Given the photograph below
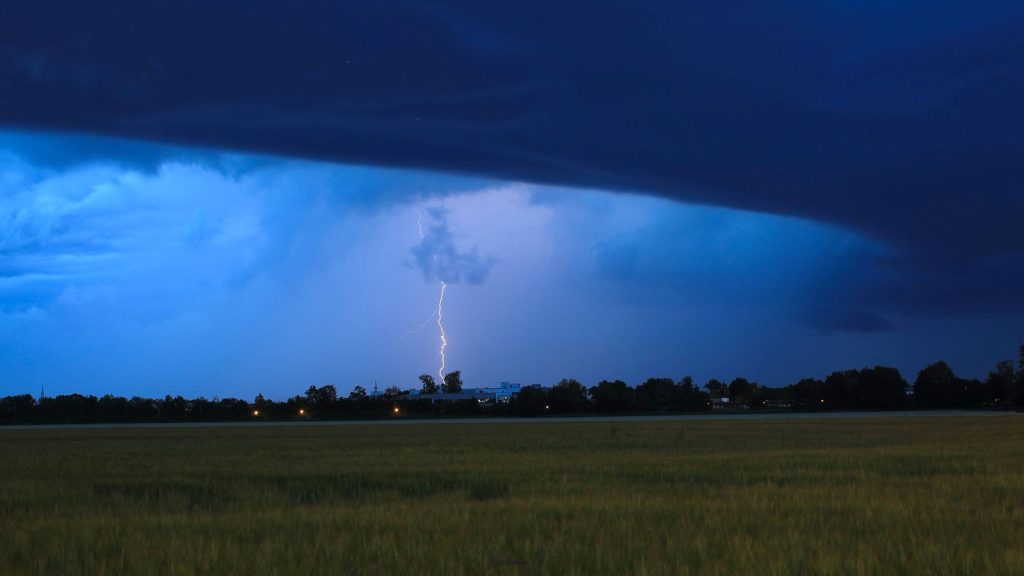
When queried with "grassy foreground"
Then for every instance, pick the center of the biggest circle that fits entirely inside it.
(896, 496)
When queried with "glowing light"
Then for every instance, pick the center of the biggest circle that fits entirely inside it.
(301, 411)
(396, 410)
(255, 412)
(440, 326)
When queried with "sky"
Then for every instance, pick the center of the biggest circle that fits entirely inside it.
(248, 197)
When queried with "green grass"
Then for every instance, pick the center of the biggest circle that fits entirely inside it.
(874, 496)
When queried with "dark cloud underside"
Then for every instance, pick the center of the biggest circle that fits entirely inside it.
(899, 119)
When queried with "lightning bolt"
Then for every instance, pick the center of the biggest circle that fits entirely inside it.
(440, 326)
(440, 308)
(412, 331)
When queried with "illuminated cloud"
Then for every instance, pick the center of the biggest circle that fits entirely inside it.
(438, 257)
(229, 275)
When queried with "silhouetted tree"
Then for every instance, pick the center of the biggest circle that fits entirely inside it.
(428, 385)
(937, 387)
(974, 393)
(1020, 377)
(741, 390)
(613, 397)
(17, 409)
(881, 388)
(530, 401)
(324, 397)
(296, 406)
(452, 382)
(808, 394)
(113, 408)
(174, 407)
(358, 393)
(265, 407)
(1000, 383)
(224, 408)
(655, 394)
(568, 396)
(68, 407)
(716, 388)
(392, 392)
(686, 397)
(841, 389)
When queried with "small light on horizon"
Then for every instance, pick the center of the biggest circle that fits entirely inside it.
(301, 411)
(255, 412)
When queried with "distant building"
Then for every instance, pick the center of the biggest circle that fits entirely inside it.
(728, 404)
(481, 397)
(502, 393)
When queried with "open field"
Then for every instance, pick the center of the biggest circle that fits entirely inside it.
(809, 496)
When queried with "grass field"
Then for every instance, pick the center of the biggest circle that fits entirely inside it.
(875, 496)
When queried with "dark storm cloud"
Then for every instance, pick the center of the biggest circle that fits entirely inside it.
(898, 119)
(72, 150)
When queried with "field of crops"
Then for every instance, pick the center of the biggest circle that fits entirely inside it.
(934, 495)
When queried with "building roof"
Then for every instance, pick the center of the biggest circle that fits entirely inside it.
(457, 396)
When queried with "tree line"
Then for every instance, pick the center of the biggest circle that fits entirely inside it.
(877, 388)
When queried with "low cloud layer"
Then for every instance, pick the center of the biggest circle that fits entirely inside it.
(882, 117)
(234, 275)
(899, 121)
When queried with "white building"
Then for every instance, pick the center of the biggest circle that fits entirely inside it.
(502, 393)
